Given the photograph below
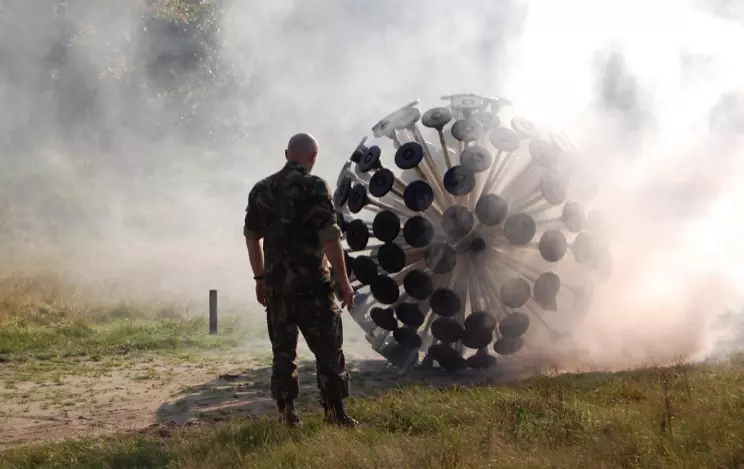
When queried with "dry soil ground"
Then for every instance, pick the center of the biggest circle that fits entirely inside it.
(57, 399)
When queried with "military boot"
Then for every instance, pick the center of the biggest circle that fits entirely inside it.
(335, 413)
(288, 414)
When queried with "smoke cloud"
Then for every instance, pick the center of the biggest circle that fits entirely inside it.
(649, 92)
(128, 142)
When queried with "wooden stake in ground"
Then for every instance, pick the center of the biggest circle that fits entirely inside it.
(212, 311)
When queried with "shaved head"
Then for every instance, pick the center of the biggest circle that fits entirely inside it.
(302, 148)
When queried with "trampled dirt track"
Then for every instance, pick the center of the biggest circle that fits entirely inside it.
(44, 402)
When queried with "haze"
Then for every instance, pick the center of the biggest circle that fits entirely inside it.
(128, 147)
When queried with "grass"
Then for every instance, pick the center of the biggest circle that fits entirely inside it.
(686, 416)
(48, 299)
(42, 317)
(78, 339)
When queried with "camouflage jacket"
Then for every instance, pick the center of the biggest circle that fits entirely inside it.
(293, 213)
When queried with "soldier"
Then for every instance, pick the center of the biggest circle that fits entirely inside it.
(292, 212)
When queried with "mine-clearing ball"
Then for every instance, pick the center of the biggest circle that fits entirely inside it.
(467, 235)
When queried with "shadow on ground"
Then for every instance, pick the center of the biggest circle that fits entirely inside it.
(246, 393)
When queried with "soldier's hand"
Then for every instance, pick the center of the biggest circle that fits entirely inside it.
(261, 292)
(347, 294)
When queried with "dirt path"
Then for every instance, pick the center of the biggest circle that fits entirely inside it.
(47, 401)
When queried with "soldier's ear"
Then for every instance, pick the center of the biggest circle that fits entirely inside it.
(286, 154)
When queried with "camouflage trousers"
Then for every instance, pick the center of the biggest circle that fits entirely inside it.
(312, 311)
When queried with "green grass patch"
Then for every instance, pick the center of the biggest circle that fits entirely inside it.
(78, 338)
(691, 416)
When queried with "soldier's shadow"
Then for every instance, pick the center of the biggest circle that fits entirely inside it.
(247, 393)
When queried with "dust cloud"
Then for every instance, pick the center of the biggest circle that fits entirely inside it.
(649, 90)
(128, 143)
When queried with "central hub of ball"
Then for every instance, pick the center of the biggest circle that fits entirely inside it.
(457, 221)
(477, 244)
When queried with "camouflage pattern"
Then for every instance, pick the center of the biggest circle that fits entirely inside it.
(314, 313)
(293, 213)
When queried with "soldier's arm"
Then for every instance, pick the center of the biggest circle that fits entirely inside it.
(323, 216)
(253, 230)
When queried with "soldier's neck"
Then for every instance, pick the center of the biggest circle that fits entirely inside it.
(297, 165)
